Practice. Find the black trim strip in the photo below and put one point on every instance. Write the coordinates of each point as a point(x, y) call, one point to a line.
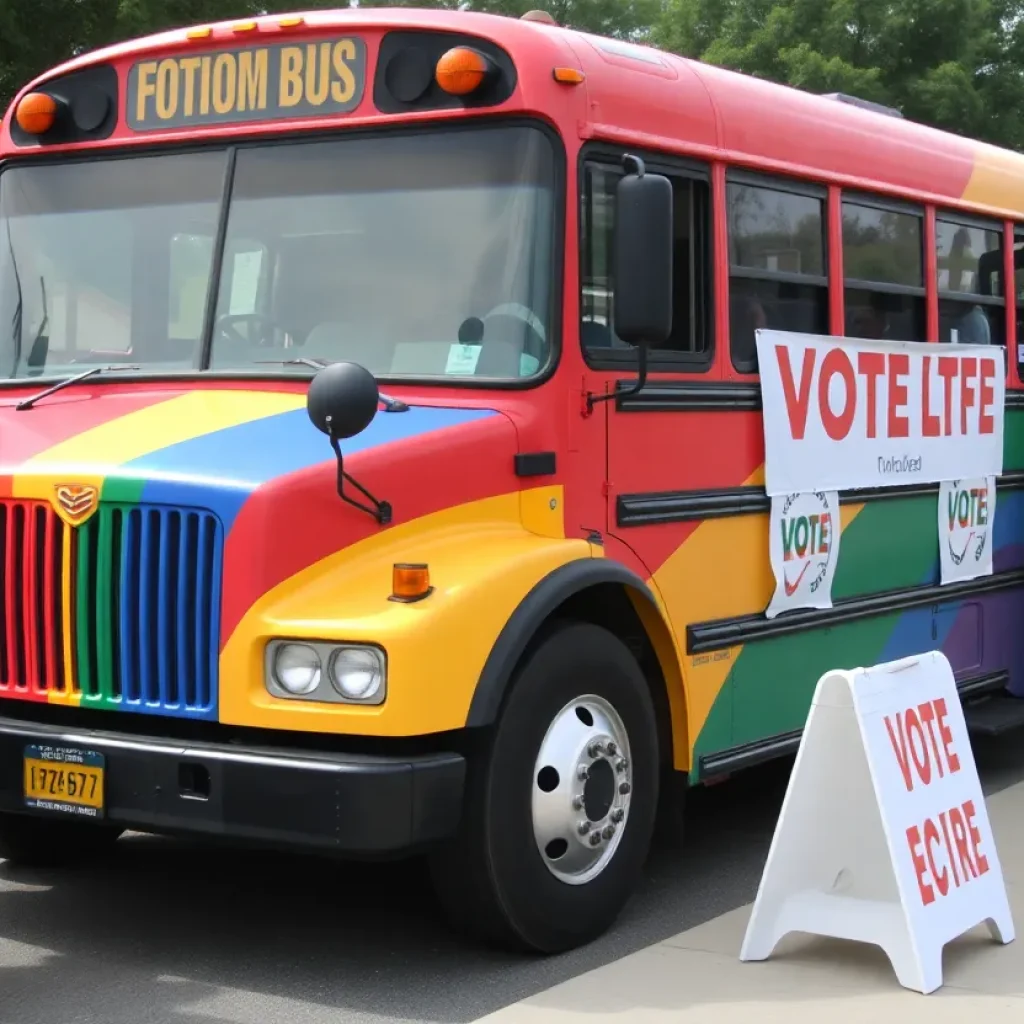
point(701, 396)
point(747, 755)
point(692, 396)
point(649, 508)
point(719, 634)
point(535, 464)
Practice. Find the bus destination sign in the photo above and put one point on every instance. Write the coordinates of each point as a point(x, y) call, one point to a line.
point(261, 83)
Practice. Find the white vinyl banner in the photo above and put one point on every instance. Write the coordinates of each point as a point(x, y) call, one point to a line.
point(967, 510)
point(804, 548)
point(848, 413)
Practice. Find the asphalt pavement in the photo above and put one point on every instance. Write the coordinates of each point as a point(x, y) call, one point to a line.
point(171, 932)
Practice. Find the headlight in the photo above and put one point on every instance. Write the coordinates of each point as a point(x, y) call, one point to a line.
point(297, 669)
point(357, 673)
point(325, 672)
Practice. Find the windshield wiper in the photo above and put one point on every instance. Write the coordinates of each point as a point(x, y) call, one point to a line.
point(390, 404)
point(67, 382)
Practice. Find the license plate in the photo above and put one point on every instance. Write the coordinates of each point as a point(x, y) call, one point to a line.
point(65, 780)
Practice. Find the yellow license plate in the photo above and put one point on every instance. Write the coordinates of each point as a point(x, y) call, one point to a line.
point(64, 779)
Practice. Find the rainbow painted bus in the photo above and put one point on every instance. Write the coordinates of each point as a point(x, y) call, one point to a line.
point(370, 484)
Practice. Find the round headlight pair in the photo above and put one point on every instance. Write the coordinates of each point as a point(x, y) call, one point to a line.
point(356, 673)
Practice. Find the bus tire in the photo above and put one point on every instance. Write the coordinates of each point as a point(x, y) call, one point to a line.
point(526, 871)
point(27, 841)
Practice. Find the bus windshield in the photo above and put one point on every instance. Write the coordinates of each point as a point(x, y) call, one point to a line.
point(420, 255)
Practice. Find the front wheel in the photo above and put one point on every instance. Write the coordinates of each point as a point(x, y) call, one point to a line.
point(47, 842)
point(560, 809)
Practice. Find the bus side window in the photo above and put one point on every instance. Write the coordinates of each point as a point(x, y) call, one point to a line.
point(883, 263)
point(777, 265)
point(690, 340)
point(972, 299)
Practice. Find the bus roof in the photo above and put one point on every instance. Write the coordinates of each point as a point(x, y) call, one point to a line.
point(640, 96)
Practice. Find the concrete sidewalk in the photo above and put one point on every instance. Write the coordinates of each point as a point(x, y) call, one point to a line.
point(698, 977)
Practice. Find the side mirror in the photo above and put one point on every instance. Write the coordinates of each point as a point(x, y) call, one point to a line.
point(642, 257)
point(342, 400)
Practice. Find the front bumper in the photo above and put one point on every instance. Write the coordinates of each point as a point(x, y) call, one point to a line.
point(350, 804)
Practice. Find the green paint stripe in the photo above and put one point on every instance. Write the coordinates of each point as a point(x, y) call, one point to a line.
point(83, 619)
point(104, 632)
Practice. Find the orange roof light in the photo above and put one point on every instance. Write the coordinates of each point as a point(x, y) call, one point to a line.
point(36, 113)
point(462, 70)
point(199, 33)
point(293, 21)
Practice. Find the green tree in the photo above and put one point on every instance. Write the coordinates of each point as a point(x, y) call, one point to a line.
point(955, 64)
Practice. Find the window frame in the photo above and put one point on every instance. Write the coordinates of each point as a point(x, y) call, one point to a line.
point(947, 216)
point(885, 204)
point(658, 360)
point(231, 146)
point(807, 189)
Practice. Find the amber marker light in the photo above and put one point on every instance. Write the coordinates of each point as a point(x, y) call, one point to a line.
point(36, 113)
point(568, 76)
point(410, 582)
point(199, 33)
point(462, 71)
point(293, 22)
point(244, 26)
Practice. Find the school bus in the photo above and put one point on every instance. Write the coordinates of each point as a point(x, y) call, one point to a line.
point(381, 455)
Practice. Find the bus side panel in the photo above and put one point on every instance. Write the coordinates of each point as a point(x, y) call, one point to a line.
point(762, 688)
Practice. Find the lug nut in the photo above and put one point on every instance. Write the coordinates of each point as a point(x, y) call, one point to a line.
point(577, 803)
point(611, 749)
point(583, 827)
point(582, 772)
point(595, 749)
point(595, 838)
point(609, 831)
point(621, 765)
point(618, 814)
point(624, 788)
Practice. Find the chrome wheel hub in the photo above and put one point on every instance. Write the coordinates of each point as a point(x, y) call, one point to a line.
point(582, 786)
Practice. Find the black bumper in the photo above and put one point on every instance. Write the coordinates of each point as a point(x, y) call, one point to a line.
point(355, 805)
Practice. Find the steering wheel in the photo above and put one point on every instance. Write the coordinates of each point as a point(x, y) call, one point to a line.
point(225, 326)
point(503, 320)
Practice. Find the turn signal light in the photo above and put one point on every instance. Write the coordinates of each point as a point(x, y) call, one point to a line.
point(462, 71)
point(410, 582)
point(36, 113)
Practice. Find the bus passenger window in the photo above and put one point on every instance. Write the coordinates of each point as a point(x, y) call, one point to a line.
point(883, 263)
point(972, 299)
point(690, 340)
point(777, 276)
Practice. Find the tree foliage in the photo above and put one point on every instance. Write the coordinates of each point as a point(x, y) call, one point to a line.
point(957, 64)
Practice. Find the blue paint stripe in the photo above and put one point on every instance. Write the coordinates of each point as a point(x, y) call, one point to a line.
point(220, 470)
point(912, 632)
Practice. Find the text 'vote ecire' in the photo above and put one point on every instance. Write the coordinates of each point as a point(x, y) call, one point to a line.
point(947, 849)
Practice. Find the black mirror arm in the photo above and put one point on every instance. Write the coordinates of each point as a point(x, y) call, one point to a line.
point(380, 510)
point(641, 380)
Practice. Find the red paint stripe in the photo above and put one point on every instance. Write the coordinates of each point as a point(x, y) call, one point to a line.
point(51, 638)
point(296, 520)
point(29, 611)
point(24, 435)
point(10, 592)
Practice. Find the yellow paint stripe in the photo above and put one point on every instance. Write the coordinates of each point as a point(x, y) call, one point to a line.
point(157, 426)
point(70, 694)
point(997, 180)
point(720, 571)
